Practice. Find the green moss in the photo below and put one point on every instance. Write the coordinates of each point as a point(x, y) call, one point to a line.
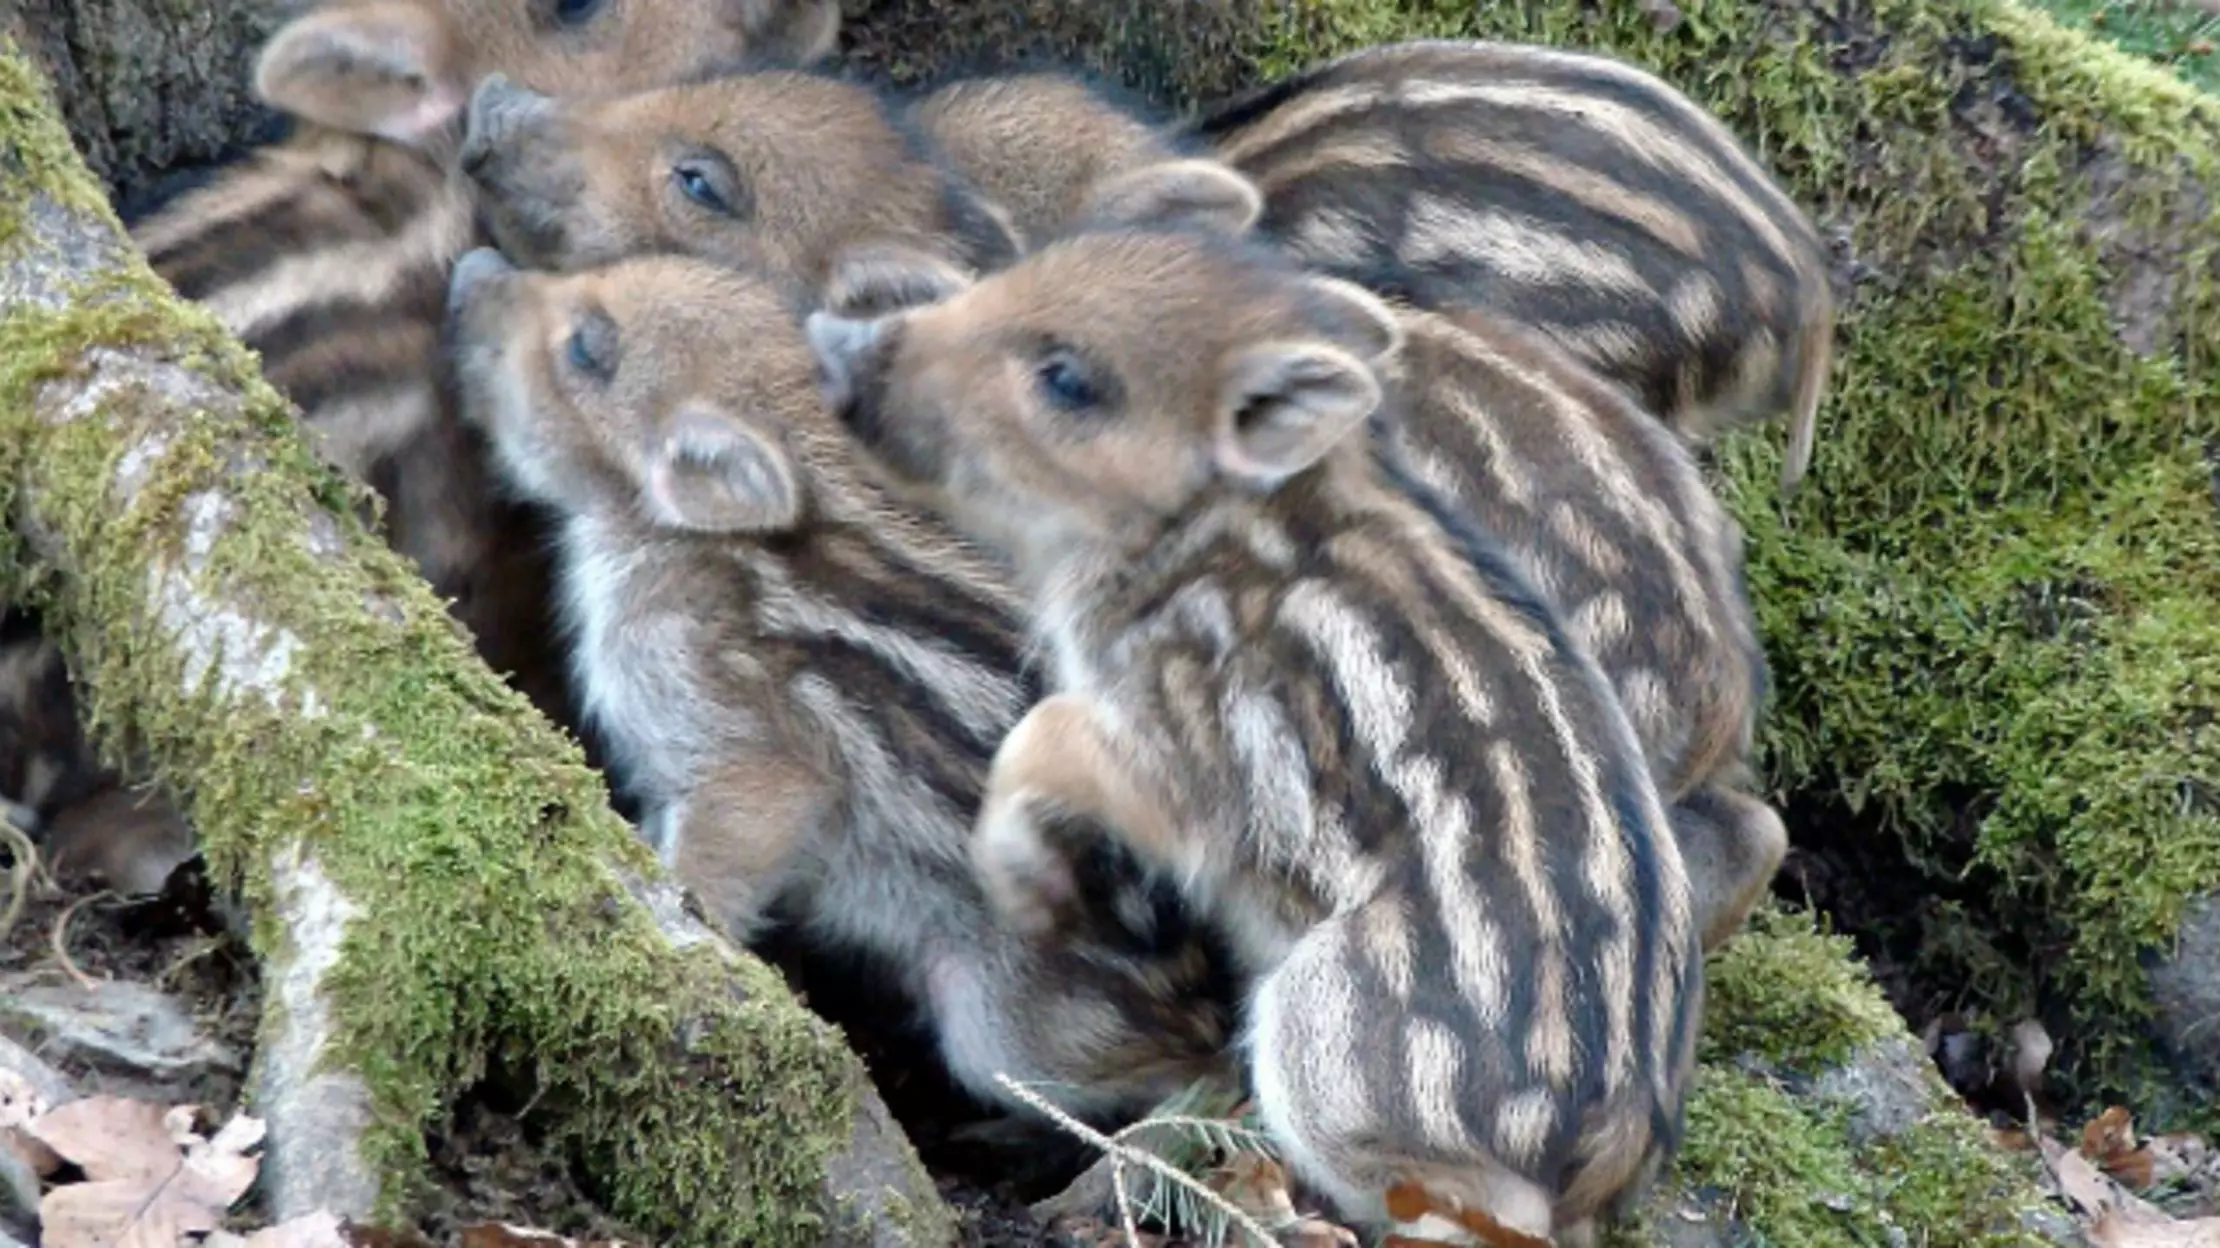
point(1777, 1145)
point(1792, 1172)
point(2180, 36)
point(1992, 612)
point(1790, 1178)
point(36, 156)
point(489, 929)
point(1788, 991)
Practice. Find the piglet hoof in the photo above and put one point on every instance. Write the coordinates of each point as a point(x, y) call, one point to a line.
point(1424, 1221)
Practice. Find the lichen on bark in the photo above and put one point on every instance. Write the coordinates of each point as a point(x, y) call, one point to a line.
point(438, 887)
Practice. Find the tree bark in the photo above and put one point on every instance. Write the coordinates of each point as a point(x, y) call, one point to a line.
point(438, 888)
point(146, 85)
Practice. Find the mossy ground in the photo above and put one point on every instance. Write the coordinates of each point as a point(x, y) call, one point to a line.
point(488, 939)
point(2183, 36)
point(1788, 1002)
point(1992, 613)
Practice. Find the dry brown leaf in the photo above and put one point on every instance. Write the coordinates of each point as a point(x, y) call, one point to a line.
point(151, 1180)
point(2108, 1135)
point(1257, 1186)
point(2109, 1140)
point(110, 1137)
point(2085, 1186)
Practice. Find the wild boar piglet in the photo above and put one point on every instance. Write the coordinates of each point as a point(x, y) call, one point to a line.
point(327, 252)
point(1052, 150)
point(403, 69)
point(1608, 515)
point(1570, 191)
point(800, 679)
point(1340, 718)
point(1603, 510)
point(776, 171)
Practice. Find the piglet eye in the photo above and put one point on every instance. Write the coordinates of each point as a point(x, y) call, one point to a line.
point(576, 12)
point(696, 185)
point(582, 355)
point(1064, 381)
point(591, 348)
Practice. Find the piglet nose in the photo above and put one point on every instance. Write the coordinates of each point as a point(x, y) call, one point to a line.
point(477, 266)
point(840, 344)
point(497, 107)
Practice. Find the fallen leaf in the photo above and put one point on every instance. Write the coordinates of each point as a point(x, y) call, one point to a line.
point(1257, 1186)
point(2109, 1140)
point(2108, 1135)
point(2084, 1186)
point(2012, 1139)
point(151, 1180)
point(110, 1137)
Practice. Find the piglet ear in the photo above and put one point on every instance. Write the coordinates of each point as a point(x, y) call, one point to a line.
point(1355, 317)
point(376, 69)
point(1205, 193)
point(713, 473)
point(874, 279)
point(1283, 405)
point(794, 32)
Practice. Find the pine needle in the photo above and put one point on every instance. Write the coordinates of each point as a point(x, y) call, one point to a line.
point(1187, 1196)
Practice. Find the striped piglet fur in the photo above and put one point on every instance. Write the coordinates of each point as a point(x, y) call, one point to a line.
point(1330, 709)
point(327, 253)
point(801, 680)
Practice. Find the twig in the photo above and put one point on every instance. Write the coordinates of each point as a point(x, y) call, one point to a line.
point(1123, 1154)
point(60, 941)
point(21, 875)
point(1124, 1196)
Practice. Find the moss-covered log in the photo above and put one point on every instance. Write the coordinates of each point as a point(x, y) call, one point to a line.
point(439, 890)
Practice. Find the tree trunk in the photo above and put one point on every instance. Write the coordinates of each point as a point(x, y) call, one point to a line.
point(145, 85)
point(439, 891)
